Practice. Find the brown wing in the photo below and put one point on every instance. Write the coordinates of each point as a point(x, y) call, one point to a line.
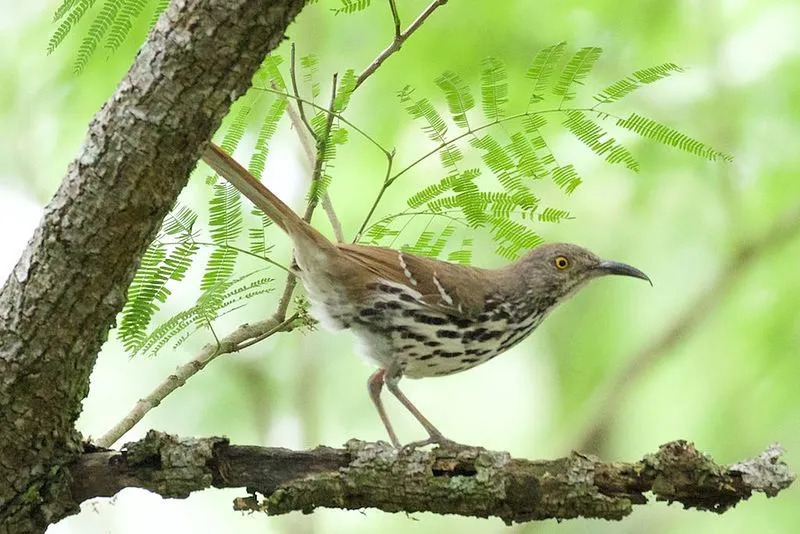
point(449, 288)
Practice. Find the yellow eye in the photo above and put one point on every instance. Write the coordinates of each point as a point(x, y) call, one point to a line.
point(561, 263)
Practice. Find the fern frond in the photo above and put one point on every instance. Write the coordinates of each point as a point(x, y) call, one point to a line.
point(566, 178)
point(77, 11)
point(422, 109)
point(494, 88)
point(149, 287)
point(310, 66)
point(553, 215)
point(257, 236)
point(458, 96)
point(650, 129)
point(428, 244)
point(63, 9)
point(97, 31)
point(160, 7)
point(268, 128)
point(346, 85)
point(225, 223)
point(576, 70)
point(513, 238)
point(123, 23)
point(590, 134)
point(351, 6)
point(464, 254)
point(542, 68)
point(180, 221)
point(270, 69)
point(528, 162)
point(499, 162)
point(622, 88)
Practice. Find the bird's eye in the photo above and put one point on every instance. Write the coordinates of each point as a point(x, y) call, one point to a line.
point(561, 262)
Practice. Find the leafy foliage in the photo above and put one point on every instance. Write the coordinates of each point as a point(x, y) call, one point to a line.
point(110, 26)
point(351, 6)
point(516, 151)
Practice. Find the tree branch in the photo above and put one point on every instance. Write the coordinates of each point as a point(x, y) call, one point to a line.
point(468, 481)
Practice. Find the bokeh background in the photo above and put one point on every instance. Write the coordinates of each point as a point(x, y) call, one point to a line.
point(728, 381)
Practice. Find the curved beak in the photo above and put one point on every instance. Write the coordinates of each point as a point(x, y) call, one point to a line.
point(615, 267)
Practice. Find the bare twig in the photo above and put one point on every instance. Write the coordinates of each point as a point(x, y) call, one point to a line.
point(607, 401)
point(293, 77)
point(395, 18)
point(242, 337)
point(308, 148)
point(399, 39)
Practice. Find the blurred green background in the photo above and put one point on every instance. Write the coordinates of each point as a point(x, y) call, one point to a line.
point(729, 385)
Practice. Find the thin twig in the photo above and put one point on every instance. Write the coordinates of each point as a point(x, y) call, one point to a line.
point(395, 18)
point(398, 41)
point(293, 77)
point(386, 183)
point(308, 148)
point(239, 339)
point(607, 401)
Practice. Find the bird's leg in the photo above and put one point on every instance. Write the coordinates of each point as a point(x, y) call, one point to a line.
point(375, 385)
point(392, 378)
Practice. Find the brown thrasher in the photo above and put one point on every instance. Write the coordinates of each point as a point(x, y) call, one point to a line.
point(417, 316)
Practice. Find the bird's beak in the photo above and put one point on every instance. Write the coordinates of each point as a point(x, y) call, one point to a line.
point(615, 267)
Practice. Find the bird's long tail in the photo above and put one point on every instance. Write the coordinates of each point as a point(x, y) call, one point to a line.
point(281, 214)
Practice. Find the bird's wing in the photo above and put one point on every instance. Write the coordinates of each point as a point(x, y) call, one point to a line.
point(455, 290)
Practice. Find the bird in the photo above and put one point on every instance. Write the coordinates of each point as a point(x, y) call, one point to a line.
point(420, 317)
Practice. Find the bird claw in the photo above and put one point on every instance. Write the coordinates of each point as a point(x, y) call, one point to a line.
point(441, 441)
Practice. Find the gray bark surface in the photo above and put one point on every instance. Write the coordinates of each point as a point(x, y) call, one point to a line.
point(59, 303)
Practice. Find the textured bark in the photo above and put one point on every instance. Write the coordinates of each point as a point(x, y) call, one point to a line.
point(58, 304)
point(467, 481)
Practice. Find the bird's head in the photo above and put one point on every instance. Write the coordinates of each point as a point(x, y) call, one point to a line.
point(560, 269)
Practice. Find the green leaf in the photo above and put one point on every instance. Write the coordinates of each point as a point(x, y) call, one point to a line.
point(347, 84)
point(129, 11)
point(310, 66)
point(268, 128)
point(458, 96)
point(542, 68)
point(77, 10)
point(553, 215)
point(622, 88)
point(351, 6)
point(566, 178)
point(576, 70)
point(225, 223)
point(593, 136)
point(660, 133)
point(494, 88)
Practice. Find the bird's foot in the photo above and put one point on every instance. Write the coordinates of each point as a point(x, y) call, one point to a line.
point(439, 440)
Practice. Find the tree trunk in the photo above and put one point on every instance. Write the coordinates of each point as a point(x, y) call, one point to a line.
point(60, 301)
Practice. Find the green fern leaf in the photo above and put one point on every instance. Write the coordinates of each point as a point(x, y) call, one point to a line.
point(542, 68)
point(63, 9)
point(576, 70)
point(528, 162)
point(597, 139)
point(499, 162)
point(351, 6)
point(428, 244)
point(310, 66)
point(494, 88)
point(650, 129)
point(257, 237)
point(458, 96)
point(77, 11)
point(268, 128)
point(513, 238)
point(346, 85)
point(270, 69)
point(122, 24)
point(160, 7)
point(97, 31)
point(422, 109)
point(622, 88)
point(464, 254)
point(180, 221)
point(225, 223)
point(553, 215)
point(566, 178)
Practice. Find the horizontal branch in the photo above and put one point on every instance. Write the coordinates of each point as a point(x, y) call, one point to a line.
point(469, 481)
